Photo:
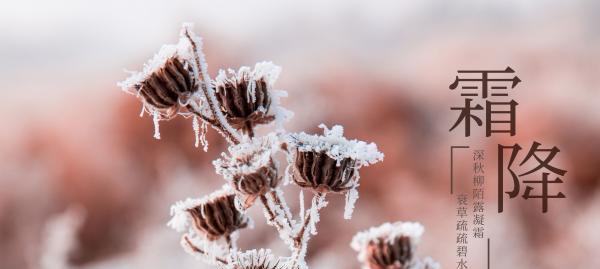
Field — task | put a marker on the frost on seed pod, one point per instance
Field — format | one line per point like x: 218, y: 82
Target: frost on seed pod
x: 330, y: 163
x: 391, y: 246
x: 259, y: 259
x: 247, y: 97
x: 166, y: 82
x: 249, y: 168
x: 213, y: 216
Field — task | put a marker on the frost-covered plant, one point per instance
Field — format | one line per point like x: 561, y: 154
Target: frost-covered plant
x: 391, y: 246
x: 176, y: 82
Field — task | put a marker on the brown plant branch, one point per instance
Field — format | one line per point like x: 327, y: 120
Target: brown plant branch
x: 215, y: 110
x: 200, y: 251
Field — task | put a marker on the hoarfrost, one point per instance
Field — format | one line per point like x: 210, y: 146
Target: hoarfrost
x: 336, y: 146
x: 155, y: 119
x: 212, y: 251
x: 351, y: 197
x: 388, y: 232
x: 200, y: 133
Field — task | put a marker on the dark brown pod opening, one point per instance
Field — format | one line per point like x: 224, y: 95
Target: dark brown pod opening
x: 240, y: 109
x: 389, y: 255
x: 320, y: 172
x: 166, y: 86
x: 255, y: 184
x: 218, y: 217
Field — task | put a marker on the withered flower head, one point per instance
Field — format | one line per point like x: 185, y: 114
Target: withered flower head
x: 249, y: 167
x: 167, y: 80
x: 390, y: 246
x: 213, y: 216
x: 259, y: 259
x: 330, y: 163
x: 247, y: 97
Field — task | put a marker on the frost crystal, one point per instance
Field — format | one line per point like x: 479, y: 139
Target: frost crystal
x: 257, y: 259
x: 200, y: 133
x: 351, y: 197
x: 207, y: 251
x: 336, y: 146
x: 155, y: 119
x: 246, y: 158
x: 247, y: 96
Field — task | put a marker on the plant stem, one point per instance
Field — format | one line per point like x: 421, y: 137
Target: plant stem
x: 280, y: 202
x: 271, y: 213
x: 198, y: 250
x: 226, y: 129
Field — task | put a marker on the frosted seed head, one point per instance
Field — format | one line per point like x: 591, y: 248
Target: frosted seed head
x: 318, y: 171
x: 166, y: 82
x: 391, y: 245
x: 329, y: 162
x: 249, y: 167
x: 246, y: 97
x: 213, y: 216
x: 336, y: 146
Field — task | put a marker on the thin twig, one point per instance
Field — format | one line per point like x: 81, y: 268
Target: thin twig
x: 200, y: 251
x: 280, y: 202
x: 300, y: 240
x: 271, y: 213
x: 212, y: 122
x: 215, y: 110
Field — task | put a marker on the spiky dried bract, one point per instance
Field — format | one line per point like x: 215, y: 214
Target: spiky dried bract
x: 320, y: 172
x: 246, y: 95
x: 259, y: 259
x: 330, y: 163
x: 213, y: 216
x: 166, y: 82
x: 390, y: 246
x: 218, y: 217
x: 249, y: 167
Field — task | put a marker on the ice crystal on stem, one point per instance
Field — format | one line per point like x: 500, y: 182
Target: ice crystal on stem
x: 391, y: 246
x: 258, y: 259
x: 176, y: 82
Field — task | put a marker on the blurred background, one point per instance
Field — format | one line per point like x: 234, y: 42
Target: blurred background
x: 84, y: 185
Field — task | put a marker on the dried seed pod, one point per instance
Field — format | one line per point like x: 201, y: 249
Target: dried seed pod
x: 395, y: 254
x: 322, y: 173
x: 249, y: 168
x: 246, y: 96
x: 168, y: 86
x: 256, y: 183
x: 329, y: 162
x: 166, y: 82
x: 391, y: 246
x: 217, y: 217
x: 213, y: 216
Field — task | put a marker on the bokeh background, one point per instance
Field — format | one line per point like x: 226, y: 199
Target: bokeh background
x: 84, y: 185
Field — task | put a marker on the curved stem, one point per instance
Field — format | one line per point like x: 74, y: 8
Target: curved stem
x: 200, y: 251
x: 228, y: 131
x: 300, y: 240
x: 271, y: 213
x: 212, y: 122
x: 280, y: 202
